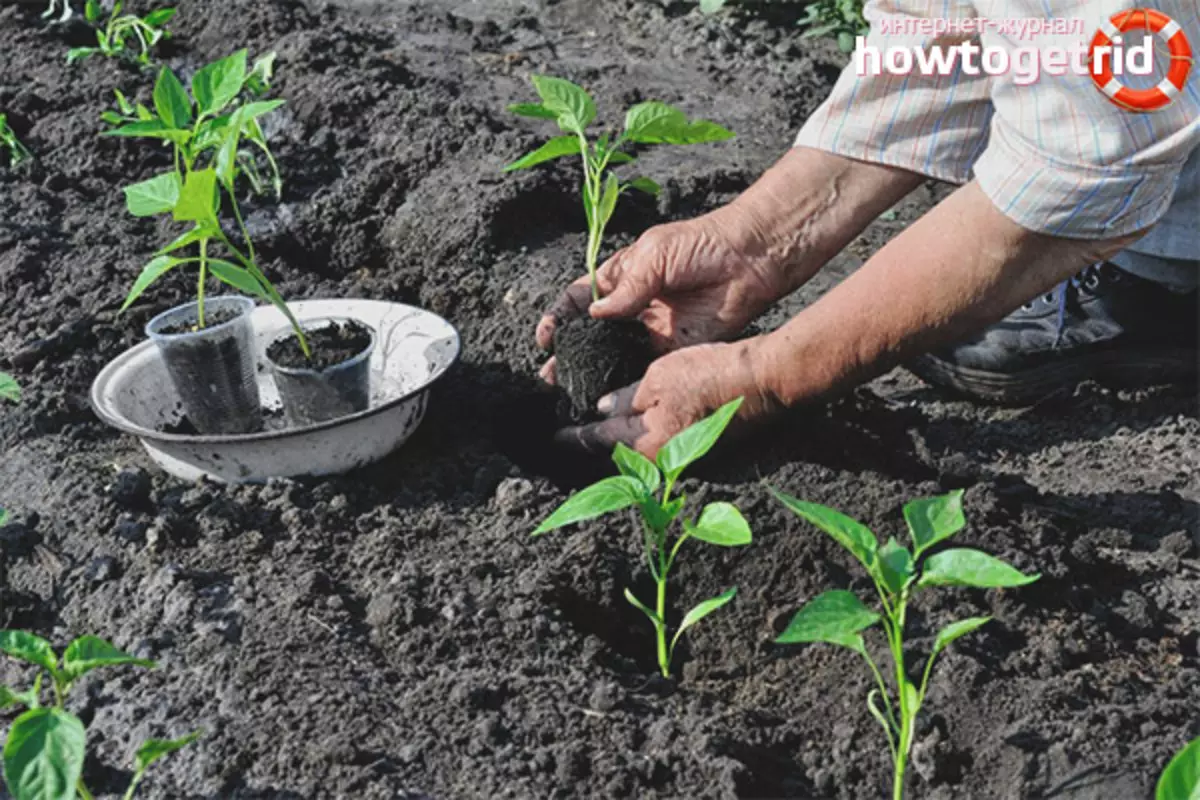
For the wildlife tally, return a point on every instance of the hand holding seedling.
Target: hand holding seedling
(639, 486)
(46, 745)
(839, 617)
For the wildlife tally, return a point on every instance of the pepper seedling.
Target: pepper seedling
(1181, 779)
(205, 131)
(122, 35)
(10, 390)
(574, 110)
(840, 20)
(53, 9)
(46, 745)
(840, 617)
(17, 152)
(638, 486)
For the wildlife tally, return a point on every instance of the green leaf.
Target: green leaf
(610, 494)
(535, 110)
(895, 566)
(849, 533)
(934, 519)
(619, 157)
(198, 198)
(238, 278)
(123, 102)
(259, 79)
(43, 757)
(711, 6)
(836, 617)
(216, 85)
(9, 698)
(155, 269)
(700, 612)
(155, 196)
(701, 131)
(1181, 779)
(154, 749)
(957, 630)
(608, 201)
(557, 147)
(633, 464)
(640, 606)
(723, 525)
(77, 54)
(574, 106)
(646, 185)
(159, 17)
(30, 649)
(201, 231)
(10, 390)
(658, 123)
(226, 162)
(91, 652)
(171, 100)
(694, 442)
(91, 10)
(151, 129)
(659, 517)
(259, 108)
(974, 568)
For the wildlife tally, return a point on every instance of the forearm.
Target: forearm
(808, 207)
(960, 268)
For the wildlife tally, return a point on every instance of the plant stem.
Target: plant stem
(83, 790)
(200, 283)
(664, 659)
(133, 784)
(907, 714)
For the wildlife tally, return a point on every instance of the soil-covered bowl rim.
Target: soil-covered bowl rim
(244, 304)
(121, 424)
(308, 326)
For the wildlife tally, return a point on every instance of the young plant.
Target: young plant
(17, 152)
(839, 617)
(638, 486)
(121, 35)
(53, 9)
(10, 390)
(841, 20)
(205, 131)
(1181, 779)
(647, 123)
(46, 745)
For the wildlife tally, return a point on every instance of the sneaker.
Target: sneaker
(1104, 324)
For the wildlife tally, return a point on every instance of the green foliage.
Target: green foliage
(574, 110)
(125, 36)
(10, 390)
(841, 20)
(214, 133)
(1181, 779)
(17, 152)
(638, 486)
(840, 617)
(46, 745)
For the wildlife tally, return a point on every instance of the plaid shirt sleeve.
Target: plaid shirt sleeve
(1055, 156)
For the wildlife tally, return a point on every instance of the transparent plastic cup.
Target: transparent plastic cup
(312, 396)
(213, 368)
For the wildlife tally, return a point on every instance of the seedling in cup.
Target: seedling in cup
(649, 123)
(647, 485)
(46, 745)
(839, 617)
(122, 35)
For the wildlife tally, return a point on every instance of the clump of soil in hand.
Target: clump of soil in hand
(331, 345)
(595, 357)
(211, 320)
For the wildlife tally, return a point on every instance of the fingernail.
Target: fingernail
(606, 403)
(600, 305)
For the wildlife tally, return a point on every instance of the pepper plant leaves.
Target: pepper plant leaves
(203, 230)
(29, 648)
(957, 630)
(658, 123)
(645, 609)
(657, 516)
(849, 533)
(973, 568)
(171, 100)
(198, 197)
(151, 129)
(694, 442)
(154, 749)
(237, 277)
(557, 147)
(895, 566)
(216, 85)
(1181, 779)
(43, 757)
(158, 266)
(835, 617)
(91, 652)
(159, 17)
(646, 185)
(610, 494)
(934, 519)
(633, 464)
(156, 196)
(721, 524)
(534, 110)
(573, 106)
(10, 390)
(608, 201)
(701, 611)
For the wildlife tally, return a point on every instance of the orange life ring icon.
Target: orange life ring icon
(1167, 29)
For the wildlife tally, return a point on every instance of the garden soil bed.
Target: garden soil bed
(396, 633)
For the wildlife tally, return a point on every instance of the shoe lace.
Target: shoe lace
(1088, 280)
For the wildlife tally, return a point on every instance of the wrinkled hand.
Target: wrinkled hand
(689, 282)
(679, 389)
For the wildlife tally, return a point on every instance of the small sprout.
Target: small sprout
(841, 20)
(1181, 779)
(122, 35)
(10, 390)
(840, 617)
(53, 10)
(648, 123)
(638, 485)
(17, 152)
(206, 131)
(46, 745)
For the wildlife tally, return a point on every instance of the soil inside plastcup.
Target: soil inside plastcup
(331, 344)
(595, 357)
(217, 317)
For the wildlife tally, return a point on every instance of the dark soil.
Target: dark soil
(331, 345)
(396, 633)
(595, 357)
(211, 320)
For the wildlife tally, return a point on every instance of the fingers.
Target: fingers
(600, 438)
(620, 403)
(633, 280)
(548, 372)
(573, 302)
